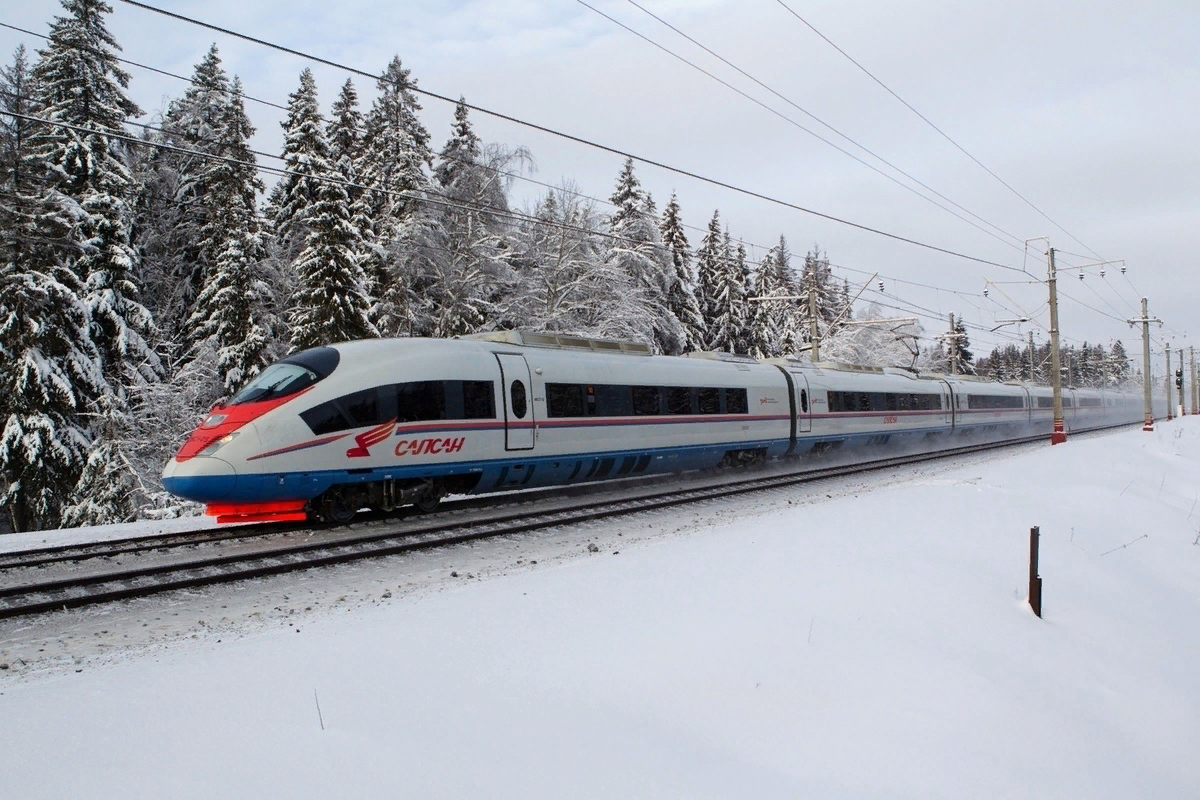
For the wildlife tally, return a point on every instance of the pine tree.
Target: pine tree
(396, 152)
(80, 83)
(330, 303)
(635, 248)
(730, 328)
(306, 159)
(231, 309)
(49, 367)
(468, 272)
(681, 301)
(766, 331)
(710, 260)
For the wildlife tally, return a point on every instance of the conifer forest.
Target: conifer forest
(153, 263)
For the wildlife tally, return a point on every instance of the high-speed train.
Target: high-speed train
(387, 422)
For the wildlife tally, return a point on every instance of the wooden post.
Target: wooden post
(1035, 581)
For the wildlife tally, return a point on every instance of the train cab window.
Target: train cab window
(516, 393)
(709, 401)
(736, 402)
(479, 400)
(565, 400)
(325, 418)
(679, 400)
(647, 400)
(420, 400)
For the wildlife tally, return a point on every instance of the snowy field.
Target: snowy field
(864, 637)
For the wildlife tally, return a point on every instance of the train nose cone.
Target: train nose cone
(204, 479)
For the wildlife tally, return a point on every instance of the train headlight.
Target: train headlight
(217, 444)
(213, 420)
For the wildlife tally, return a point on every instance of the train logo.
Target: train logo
(368, 438)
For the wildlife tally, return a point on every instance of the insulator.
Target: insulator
(1080, 274)
(1101, 273)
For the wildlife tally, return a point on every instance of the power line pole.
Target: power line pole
(1179, 385)
(953, 347)
(1032, 372)
(1170, 415)
(1060, 433)
(1195, 390)
(1147, 388)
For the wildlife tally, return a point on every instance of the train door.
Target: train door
(803, 403)
(948, 404)
(517, 391)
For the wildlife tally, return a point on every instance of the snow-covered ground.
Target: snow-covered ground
(859, 638)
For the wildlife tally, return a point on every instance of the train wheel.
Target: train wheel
(428, 501)
(337, 508)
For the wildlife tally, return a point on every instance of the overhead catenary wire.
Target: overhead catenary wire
(579, 139)
(940, 132)
(1016, 241)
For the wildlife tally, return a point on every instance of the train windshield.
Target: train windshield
(289, 376)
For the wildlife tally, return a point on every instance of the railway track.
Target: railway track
(28, 584)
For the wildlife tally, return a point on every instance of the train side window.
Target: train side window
(362, 407)
(804, 400)
(564, 400)
(736, 402)
(679, 400)
(834, 401)
(420, 400)
(516, 393)
(646, 401)
(479, 400)
(325, 418)
(613, 401)
(709, 401)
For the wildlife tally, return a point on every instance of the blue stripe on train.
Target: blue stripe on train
(514, 471)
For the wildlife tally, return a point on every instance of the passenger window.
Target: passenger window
(804, 400)
(679, 400)
(325, 418)
(735, 402)
(420, 401)
(564, 400)
(517, 393)
(613, 401)
(646, 400)
(478, 400)
(709, 401)
(362, 407)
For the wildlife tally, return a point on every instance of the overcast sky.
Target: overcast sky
(1088, 109)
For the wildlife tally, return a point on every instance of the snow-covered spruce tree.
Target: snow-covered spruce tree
(306, 159)
(48, 364)
(233, 306)
(767, 330)
(81, 86)
(635, 247)
(396, 153)
(469, 272)
(681, 300)
(330, 303)
(710, 260)
(729, 331)
(966, 361)
(177, 193)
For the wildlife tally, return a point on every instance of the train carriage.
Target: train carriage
(383, 423)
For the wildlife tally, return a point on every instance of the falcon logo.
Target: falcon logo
(368, 438)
